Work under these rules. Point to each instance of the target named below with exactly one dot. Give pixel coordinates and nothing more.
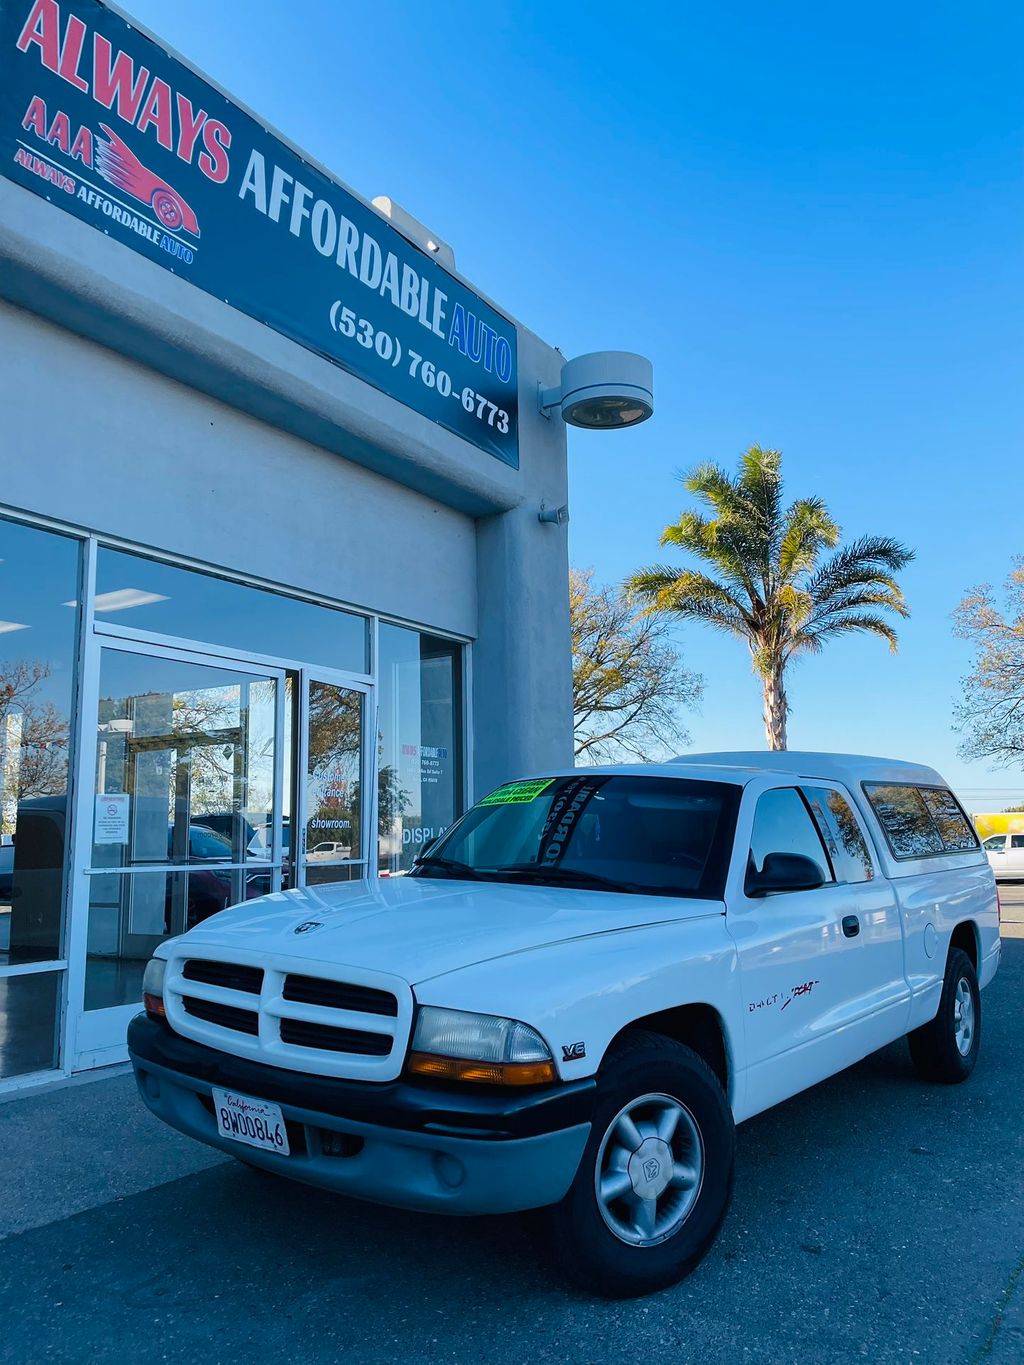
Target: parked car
(260, 850)
(210, 888)
(1005, 853)
(329, 850)
(579, 990)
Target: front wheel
(656, 1175)
(946, 1048)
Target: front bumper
(442, 1150)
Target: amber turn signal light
(484, 1073)
(154, 1006)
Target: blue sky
(809, 217)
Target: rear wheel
(167, 209)
(946, 1048)
(656, 1176)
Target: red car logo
(118, 164)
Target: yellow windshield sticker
(517, 793)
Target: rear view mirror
(785, 872)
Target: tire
(617, 1247)
(166, 208)
(946, 1048)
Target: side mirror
(785, 872)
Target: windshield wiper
(447, 865)
(577, 876)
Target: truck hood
(419, 928)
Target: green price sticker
(517, 793)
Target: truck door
(995, 851)
(821, 970)
(885, 1001)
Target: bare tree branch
(990, 715)
(629, 684)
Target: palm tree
(769, 585)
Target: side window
(997, 843)
(919, 821)
(1017, 840)
(954, 828)
(904, 816)
(841, 834)
(782, 824)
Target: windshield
(604, 832)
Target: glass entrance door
(334, 803)
(186, 812)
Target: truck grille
(305, 1016)
(231, 975)
(226, 1016)
(332, 1039)
(339, 995)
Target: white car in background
(1005, 853)
(328, 850)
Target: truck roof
(740, 766)
(743, 765)
(847, 768)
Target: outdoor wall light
(604, 389)
(555, 516)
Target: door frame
(95, 1037)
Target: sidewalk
(72, 1147)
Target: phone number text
(388, 348)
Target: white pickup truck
(581, 988)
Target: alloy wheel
(650, 1168)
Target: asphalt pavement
(876, 1218)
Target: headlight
(153, 988)
(452, 1045)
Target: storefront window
(185, 775)
(29, 1008)
(167, 600)
(39, 575)
(419, 782)
(333, 783)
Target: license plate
(257, 1123)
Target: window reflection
(419, 782)
(167, 600)
(322, 874)
(185, 774)
(334, 785)
(954, 828)
(905, 814)
(841, 833)
(38, 574)
(29, 1006)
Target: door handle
(851, 926)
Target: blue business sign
(99, 119)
